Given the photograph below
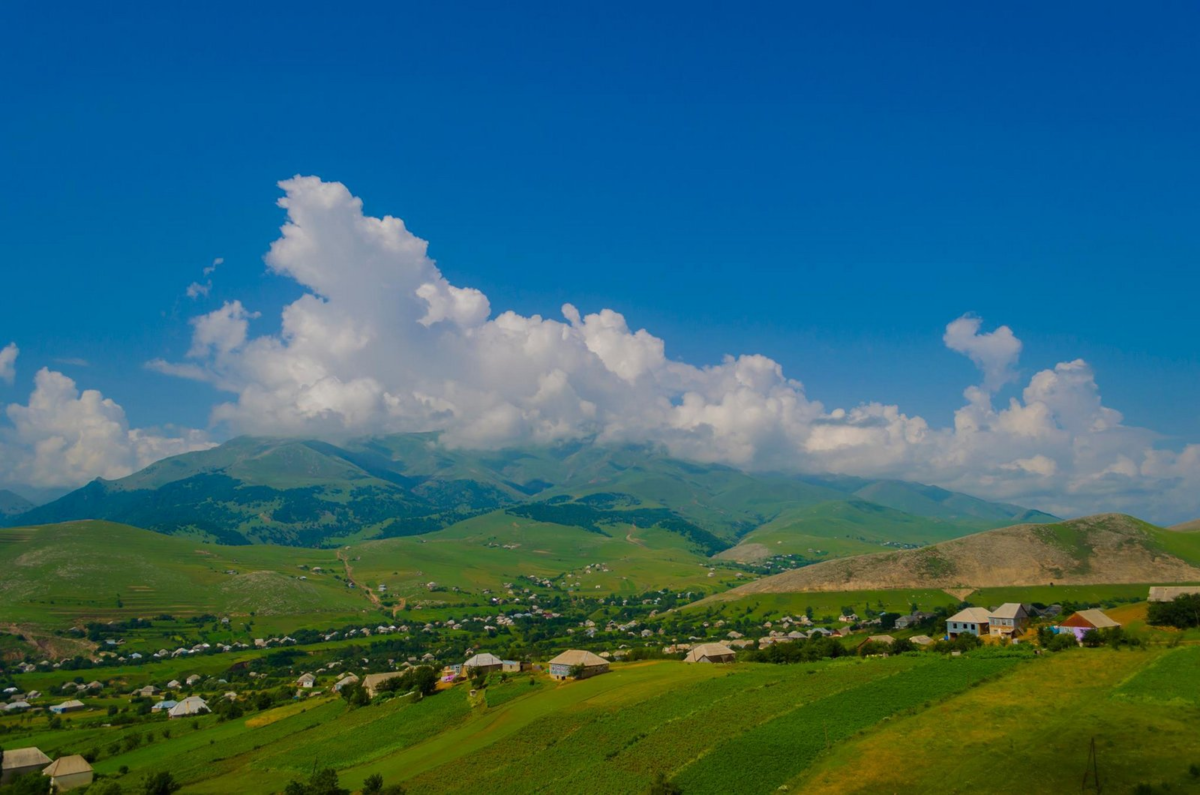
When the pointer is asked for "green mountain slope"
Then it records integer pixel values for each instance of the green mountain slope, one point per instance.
(63, 574)
(311, 493)
(13, 504)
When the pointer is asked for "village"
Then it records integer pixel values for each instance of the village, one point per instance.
(267, 681)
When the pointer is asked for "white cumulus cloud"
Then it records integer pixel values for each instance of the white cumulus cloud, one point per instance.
(8, 362)
(381, 341)
(994, 353)
(63, 437)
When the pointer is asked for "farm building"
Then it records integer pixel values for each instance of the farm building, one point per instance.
(17, 706)
(174, 684)
(69, 772)
(921, 640)
(371, 682)
(67, 706)
(306, 680)
(1085, 621)
(19, 761)
(887, 640)
(189, 707)
(561, 666)
(511, 666)
(163, 706)
(147, 692)
(972, 621)
(348, 679)
(1010, 619)
(1169, 593)
(483, 663)
(711, 653)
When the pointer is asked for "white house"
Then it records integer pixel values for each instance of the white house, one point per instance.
(972, 621)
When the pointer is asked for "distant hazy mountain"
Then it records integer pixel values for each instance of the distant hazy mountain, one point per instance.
(303, 492)
(1187, 527)
(12, 504)
(1108, 548)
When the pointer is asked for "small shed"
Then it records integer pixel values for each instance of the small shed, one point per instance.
(69, 772)
(592, 664)
(19, 761)
(711, 653)
(348, 679)
(306, 680)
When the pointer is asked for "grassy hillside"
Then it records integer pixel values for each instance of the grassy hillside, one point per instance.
(62, 575)
(1109, 548)
(311, 493)
(913, 723)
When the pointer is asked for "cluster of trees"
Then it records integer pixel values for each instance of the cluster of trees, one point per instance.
(801, 651)
(325, 782)
(154, 784)
(1183, 613)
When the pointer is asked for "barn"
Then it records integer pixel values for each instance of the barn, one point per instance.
(711, 653)
(69, 772)
(19, 761)
(1085, 621)
(585, 662)
(483, 663)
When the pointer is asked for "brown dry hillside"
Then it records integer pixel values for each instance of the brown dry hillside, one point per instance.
(1107, 548)
(1187, 527)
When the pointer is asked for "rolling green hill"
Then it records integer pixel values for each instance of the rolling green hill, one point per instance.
(311, 493)
(1108, 548)
(67, 574)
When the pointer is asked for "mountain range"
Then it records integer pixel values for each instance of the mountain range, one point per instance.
(313, 493)
(12, 504)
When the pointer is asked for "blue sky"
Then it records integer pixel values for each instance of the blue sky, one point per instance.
(823, 187)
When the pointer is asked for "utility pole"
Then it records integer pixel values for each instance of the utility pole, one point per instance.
(1091, 774)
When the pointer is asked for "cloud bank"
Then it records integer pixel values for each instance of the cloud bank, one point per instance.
(63, 438)
(381, 342)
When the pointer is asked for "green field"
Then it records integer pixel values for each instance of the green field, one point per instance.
(901, 724)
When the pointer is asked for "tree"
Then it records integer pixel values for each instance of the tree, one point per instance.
(160, 784)
(1182, 613)
(322, 782)
(661, 786)
(902, 645)
(355, 695)
(105, 787)
(29, 784)
(374, 786)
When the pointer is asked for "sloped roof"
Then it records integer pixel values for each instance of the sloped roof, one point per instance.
(72, 703)
(971, 615)
(888, 639)
(709, 650)
(481, 660)
(192, 705)
(921, 640)
(1009, 610)
(24, 757)
(68, 766)
(1091, 618)
(1168, 593)
(578, 657)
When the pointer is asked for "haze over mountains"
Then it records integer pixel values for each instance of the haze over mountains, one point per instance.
(12, 504)
(311, 493)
